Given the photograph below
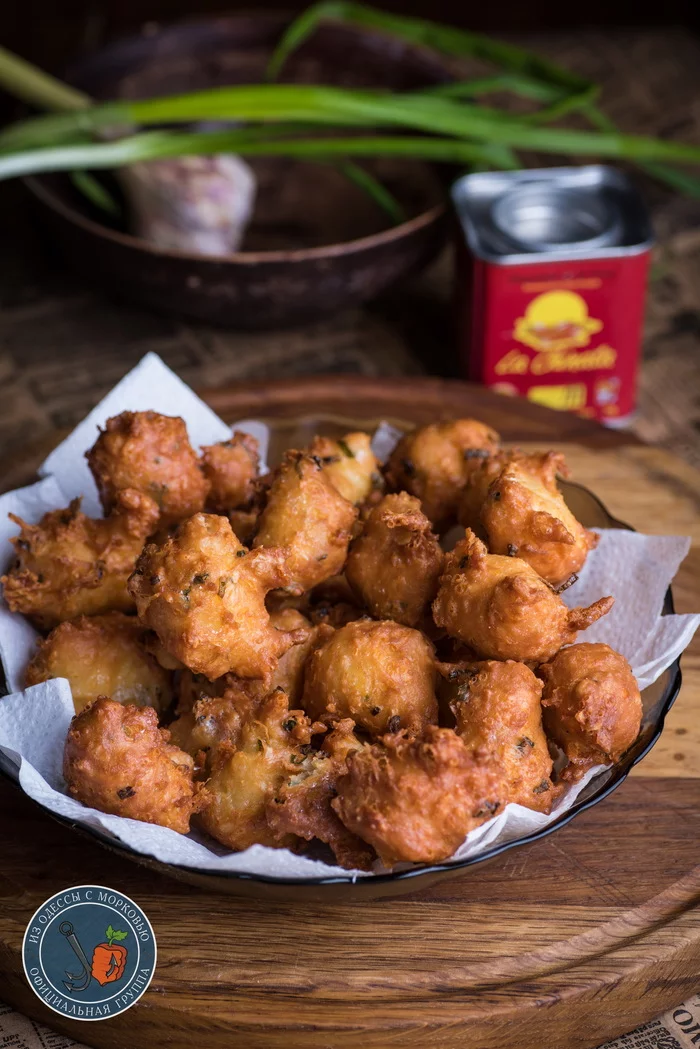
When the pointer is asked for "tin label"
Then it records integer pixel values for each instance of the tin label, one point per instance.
(563, 334)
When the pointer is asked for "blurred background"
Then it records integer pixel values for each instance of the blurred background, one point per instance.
(63, 343)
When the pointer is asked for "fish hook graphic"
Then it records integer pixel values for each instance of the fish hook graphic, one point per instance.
(76, 981)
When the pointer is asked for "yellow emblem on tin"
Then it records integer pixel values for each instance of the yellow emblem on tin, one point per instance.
(556, 320)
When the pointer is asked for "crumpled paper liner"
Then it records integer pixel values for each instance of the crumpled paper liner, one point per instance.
(636, 569)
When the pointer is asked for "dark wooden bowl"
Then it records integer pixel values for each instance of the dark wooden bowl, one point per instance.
(317, 244)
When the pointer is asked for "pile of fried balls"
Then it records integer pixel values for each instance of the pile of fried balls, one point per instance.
(294, 658)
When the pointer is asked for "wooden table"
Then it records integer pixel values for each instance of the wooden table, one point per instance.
(582, 936)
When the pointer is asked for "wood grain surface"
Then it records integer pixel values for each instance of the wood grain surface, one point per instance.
(578, 938)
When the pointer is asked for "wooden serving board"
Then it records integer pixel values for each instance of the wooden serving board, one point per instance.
(569, 942)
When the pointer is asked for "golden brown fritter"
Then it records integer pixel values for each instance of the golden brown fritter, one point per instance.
(333, 603)
(395, 564)
(210, 721)
(382, 675)
(498, 714)
(70, 565)
(302, 804)
(151, 453)
(246, 774)
(289, 673)
(349, 464)
(231, 468)
(416, 799)
(434, 462)
(476, 488)
(524, 514)
(204, 596)
(117, 760)
(592, 706)
(308, 518)
(102, 656)
(502, 609)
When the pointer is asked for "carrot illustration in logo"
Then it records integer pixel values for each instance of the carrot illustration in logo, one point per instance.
(109, 959)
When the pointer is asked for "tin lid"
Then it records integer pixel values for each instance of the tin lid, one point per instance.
(541, 216)
(551, 213)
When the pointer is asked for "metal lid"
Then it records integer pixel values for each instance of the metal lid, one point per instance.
(512, 217)
(542, 216)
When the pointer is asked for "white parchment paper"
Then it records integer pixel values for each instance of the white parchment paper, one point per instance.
(635, 569)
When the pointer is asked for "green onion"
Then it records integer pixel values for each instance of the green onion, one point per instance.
(379, 194)
(457, 43)
(442, 123)
(95, 192)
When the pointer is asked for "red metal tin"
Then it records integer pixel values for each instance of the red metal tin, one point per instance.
(556, 321)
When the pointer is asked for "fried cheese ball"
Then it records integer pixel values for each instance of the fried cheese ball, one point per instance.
(394, 565)
(102, 656)
(70, 565)
(204, 596)
(151, 453)
(349, 464)
(502, 609)
(210, 721)
(307, 517)
(592, 706)
(476, 489)
(117, 760)
(289, 673)
(523, 514)
(247, 773)
(302, 804)
(382, 675)
(498, 714)
(434, 462)
(416, 799)
(231, 468)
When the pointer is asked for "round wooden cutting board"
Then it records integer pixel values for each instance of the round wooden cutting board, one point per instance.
(569, 942)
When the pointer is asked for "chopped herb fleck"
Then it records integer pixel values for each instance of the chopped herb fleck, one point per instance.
(524, 743)
(542, 787)
(566, 584)
(241, 553)
(476, 453)
(394, 723)
(345, 448)
(375, 710)
(296, 759)
(201, 577)
(126, 792)
(488, 808)
(512, 550)
(186, 593)
(289, 725)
